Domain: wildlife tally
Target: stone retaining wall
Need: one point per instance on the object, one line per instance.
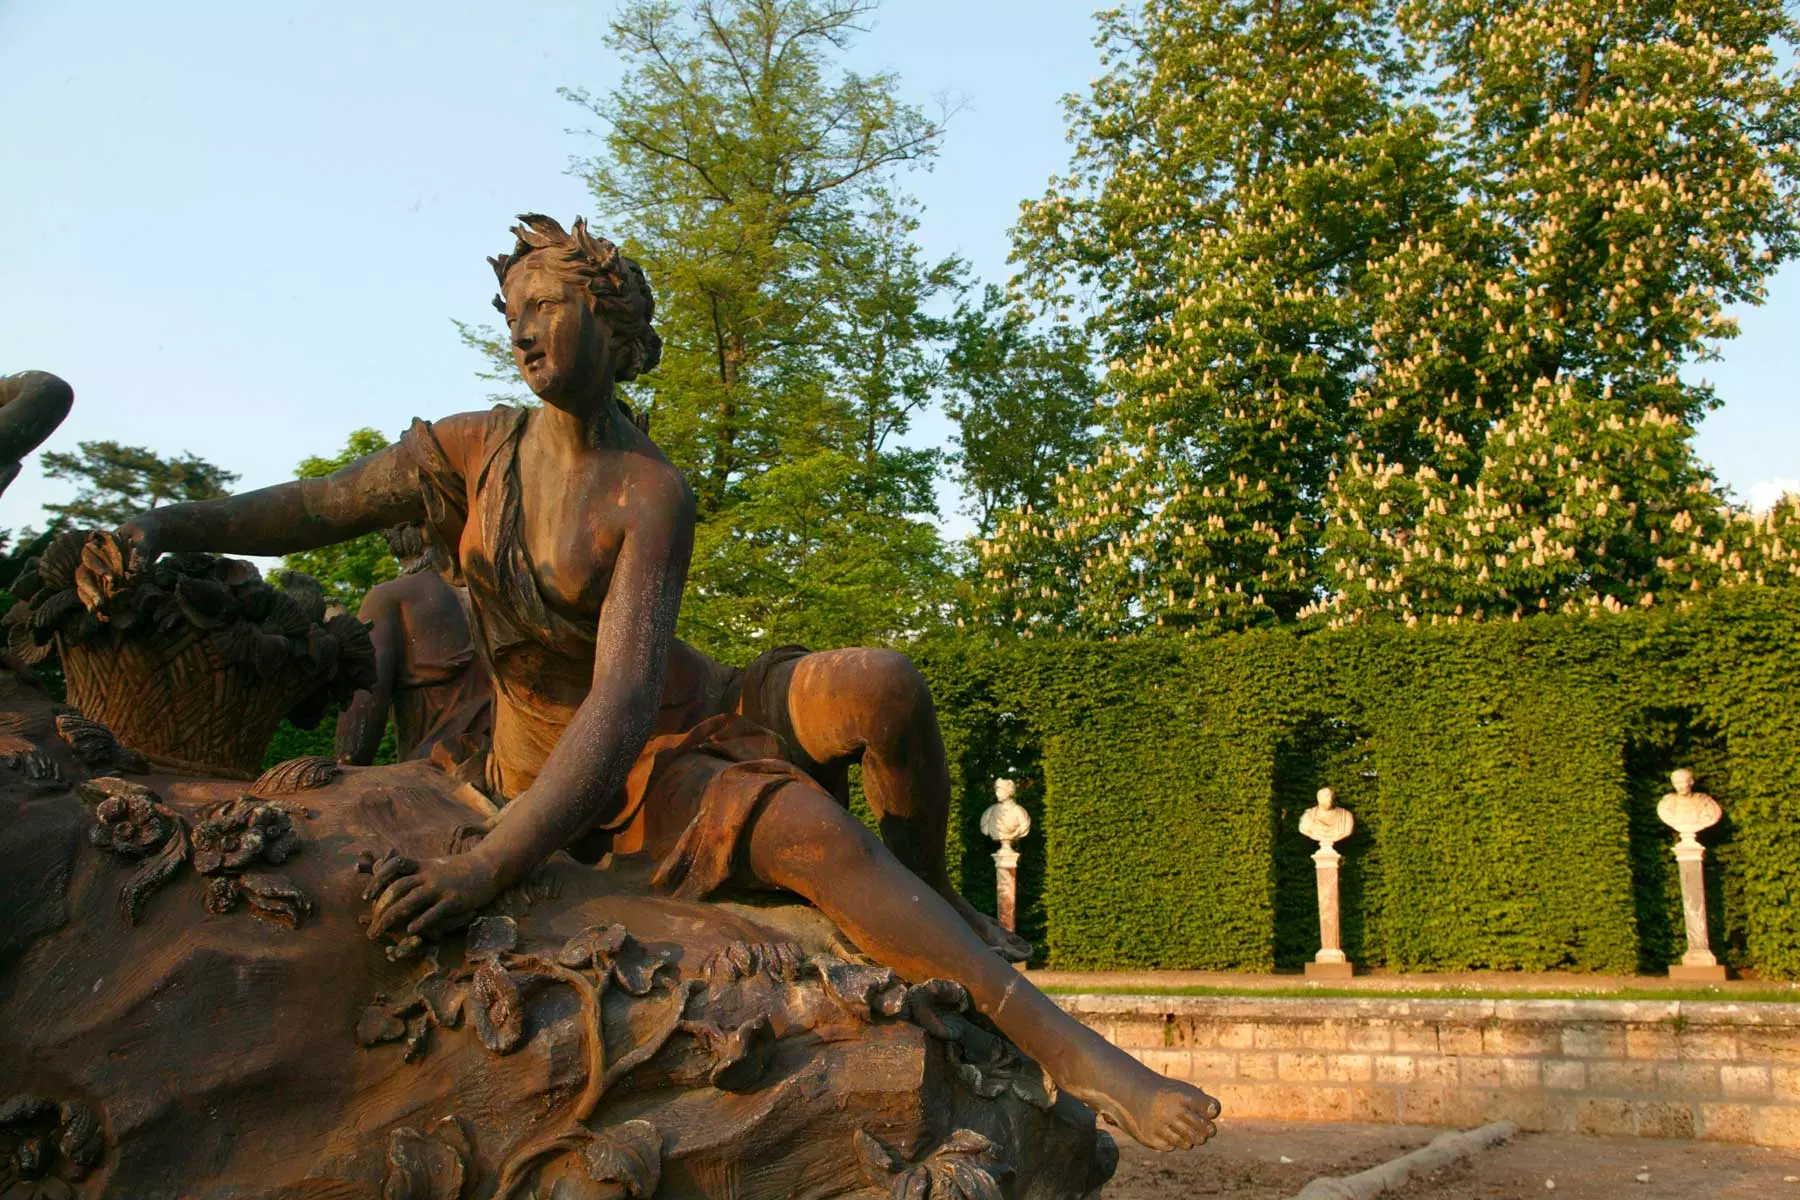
(1674, 1069)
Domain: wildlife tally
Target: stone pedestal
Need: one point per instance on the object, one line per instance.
(1006, 887)
(1327, 824)
(1698, 965)
(1329, 962)
(1689, 812)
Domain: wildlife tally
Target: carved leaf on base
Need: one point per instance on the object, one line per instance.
(613, 955)
(628, 1154)
(964, 1166)
(497, 1008)
(740, 1055)
(430, 1166)
(95, 745)
(43, 1143)
(295, 775)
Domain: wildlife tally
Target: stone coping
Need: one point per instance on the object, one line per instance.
(1471, 1010)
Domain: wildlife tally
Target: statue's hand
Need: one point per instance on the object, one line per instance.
(433, 896)
(143, 534)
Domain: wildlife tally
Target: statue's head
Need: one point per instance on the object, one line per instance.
(409, 544)
(1004, 790)
(1326, 798)
(1683, 779)
(578, 313)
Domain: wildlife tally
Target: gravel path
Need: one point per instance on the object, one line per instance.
(1245, 1162)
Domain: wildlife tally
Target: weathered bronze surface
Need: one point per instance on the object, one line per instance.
(32, 405)
(667, 1023)
(427, 671)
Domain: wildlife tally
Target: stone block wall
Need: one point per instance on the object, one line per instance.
(1674, 1069)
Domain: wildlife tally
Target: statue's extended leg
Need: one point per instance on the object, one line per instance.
(873, 706)
(803, 840)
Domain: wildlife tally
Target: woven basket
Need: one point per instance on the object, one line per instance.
(177, 700)
(191, 661)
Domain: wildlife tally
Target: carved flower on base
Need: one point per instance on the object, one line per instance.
(241, 835)
(131, 824)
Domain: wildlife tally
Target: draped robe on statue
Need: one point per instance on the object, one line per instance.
(696, 788)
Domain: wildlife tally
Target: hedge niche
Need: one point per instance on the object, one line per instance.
(1504, 777)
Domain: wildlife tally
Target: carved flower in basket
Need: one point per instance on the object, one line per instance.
(103, 573)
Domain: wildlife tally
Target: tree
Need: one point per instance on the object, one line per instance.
(1629, 171)
(1022, 399)
(818, 552)
(1369, 291)
(346, 570)
(755, 181)
(118, 482)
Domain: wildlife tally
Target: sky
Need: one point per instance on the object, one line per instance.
(244, 229)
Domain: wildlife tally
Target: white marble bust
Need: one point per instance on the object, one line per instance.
(1006, 820)
(1325, 823)
(1687, 811)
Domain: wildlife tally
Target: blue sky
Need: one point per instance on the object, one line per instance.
(243, 229)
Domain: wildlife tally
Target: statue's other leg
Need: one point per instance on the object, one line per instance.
(805, 841)
(873, 707)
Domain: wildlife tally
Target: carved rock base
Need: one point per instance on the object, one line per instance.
(1697, 974)
(587, 1040)
(1330, 970)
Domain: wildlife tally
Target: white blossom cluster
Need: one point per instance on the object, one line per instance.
(1395, 321)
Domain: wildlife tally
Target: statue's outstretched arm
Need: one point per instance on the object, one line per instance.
(369, 494)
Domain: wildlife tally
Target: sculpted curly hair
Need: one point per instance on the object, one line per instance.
(408, 543)
(621, 293)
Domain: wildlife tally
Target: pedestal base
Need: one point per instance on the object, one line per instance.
(1686, 974)
(1339, 970)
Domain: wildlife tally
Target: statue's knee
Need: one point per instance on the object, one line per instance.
(898, 686)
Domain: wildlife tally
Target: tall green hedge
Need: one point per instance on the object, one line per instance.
(1504, 777)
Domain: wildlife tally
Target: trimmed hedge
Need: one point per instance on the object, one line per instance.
(1504, 777)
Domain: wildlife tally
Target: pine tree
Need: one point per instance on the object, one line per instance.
(118, 482)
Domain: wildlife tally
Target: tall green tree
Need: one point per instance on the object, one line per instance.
(116, 482)
(1022, 398)
(1395, 298)
(756, 181)
(349, 569)
(1628, 171)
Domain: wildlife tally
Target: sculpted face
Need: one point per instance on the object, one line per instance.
(1327, 798)
(563, 352)
(1683, 779)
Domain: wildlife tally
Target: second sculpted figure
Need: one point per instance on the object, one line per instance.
(427, 670)
(573, 532)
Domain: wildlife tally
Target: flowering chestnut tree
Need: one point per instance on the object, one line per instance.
(1396, 300)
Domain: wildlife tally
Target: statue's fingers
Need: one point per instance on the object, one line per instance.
(398, 904)
(385, 872)
(437, 917)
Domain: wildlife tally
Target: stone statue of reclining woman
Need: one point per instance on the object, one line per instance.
(573, 533)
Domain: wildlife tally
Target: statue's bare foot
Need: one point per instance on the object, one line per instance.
(1008, 945)
(1162, 1113)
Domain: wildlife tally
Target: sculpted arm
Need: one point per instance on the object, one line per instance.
(361, 725)
(589, 765)
(381, 489)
